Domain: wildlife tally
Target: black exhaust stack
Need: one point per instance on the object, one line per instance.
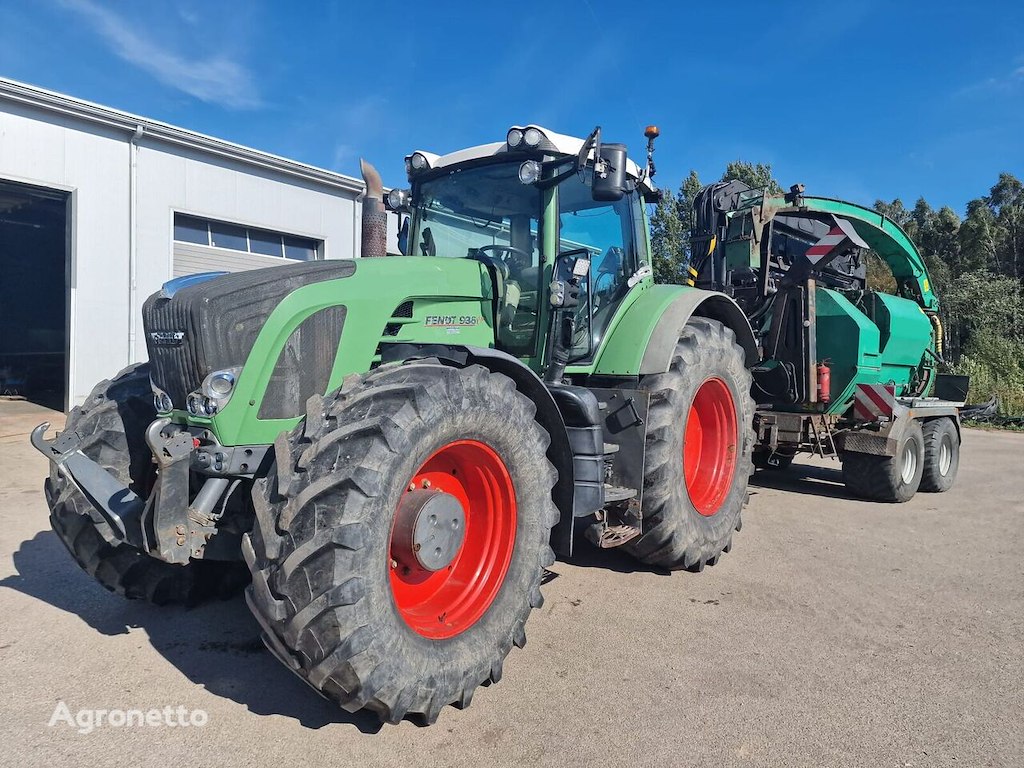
(375, 217)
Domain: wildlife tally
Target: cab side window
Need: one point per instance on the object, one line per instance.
(606, 231)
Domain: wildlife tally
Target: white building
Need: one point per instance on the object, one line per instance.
(98, 208)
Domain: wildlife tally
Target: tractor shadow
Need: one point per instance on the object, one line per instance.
(806, 479)
(586, 555)
(216, 644)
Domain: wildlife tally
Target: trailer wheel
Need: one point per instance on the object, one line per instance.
(113, 421)
(941, 455)
(888, 478)
(401, 538)
(699, 441)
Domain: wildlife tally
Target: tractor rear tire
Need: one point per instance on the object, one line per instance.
(332, 586)
(113, 422)
(699, 442)
(941, 455)
(888, 478)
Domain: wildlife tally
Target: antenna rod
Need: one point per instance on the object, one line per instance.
(651, 132)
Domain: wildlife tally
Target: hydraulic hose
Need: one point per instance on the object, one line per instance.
(938, 333)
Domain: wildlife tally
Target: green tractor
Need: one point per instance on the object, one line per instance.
(395, 448)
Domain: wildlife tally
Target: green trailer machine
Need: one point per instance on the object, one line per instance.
(391, 450)
(844, 371)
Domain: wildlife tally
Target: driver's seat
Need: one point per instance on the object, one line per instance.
(509, 292)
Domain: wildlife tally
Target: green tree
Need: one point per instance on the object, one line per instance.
(668, 241)
(935, 235)
(670, 232)
(941, 246)
(978, 236)
(895, 211)
(756, 175)
(984, 318)
(933, 232)
(1006, 199)
(920, 218)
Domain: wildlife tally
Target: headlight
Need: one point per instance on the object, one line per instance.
(399, 199)
(529, 172)
(419, 161)
(514, 138)
(532, 137)
(161, 400)
(194, 403)
(221, 383)
(214, 393)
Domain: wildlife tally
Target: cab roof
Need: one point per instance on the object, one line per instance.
(557, 144)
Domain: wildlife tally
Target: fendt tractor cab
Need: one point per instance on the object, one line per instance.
(844, 370)
(394, 445)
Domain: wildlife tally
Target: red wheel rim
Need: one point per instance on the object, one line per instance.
(710, 446)
(442, 604)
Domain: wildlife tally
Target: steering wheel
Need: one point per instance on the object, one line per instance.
(503, 252)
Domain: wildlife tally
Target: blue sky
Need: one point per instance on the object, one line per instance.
(856, 99)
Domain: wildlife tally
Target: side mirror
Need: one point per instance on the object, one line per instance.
(609, 181)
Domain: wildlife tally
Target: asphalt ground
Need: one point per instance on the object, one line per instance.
(838, 632)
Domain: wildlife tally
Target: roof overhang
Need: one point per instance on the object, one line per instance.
(58, 103)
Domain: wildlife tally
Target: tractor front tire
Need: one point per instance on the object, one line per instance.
(337, 587)
(112, 422)
(700, 437)
(888, 478)
(941, 455)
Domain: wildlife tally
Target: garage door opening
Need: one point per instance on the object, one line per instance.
(33, 294)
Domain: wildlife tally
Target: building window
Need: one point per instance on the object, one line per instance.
(191, 230)
(263, 242)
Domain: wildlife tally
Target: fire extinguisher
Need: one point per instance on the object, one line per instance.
(824, 382)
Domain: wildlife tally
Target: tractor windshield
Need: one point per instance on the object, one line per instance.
(478, 211)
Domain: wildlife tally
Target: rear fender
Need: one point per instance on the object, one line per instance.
(695, 302)
(643, 339)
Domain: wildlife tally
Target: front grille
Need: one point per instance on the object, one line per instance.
(174, 363)
(212, 325)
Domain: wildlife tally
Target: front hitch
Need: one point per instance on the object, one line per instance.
(116, 504)
(165, 525)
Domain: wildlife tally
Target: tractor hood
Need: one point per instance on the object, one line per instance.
(286, 333)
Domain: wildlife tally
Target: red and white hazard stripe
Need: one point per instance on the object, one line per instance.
(823, 247)
(872, 402)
